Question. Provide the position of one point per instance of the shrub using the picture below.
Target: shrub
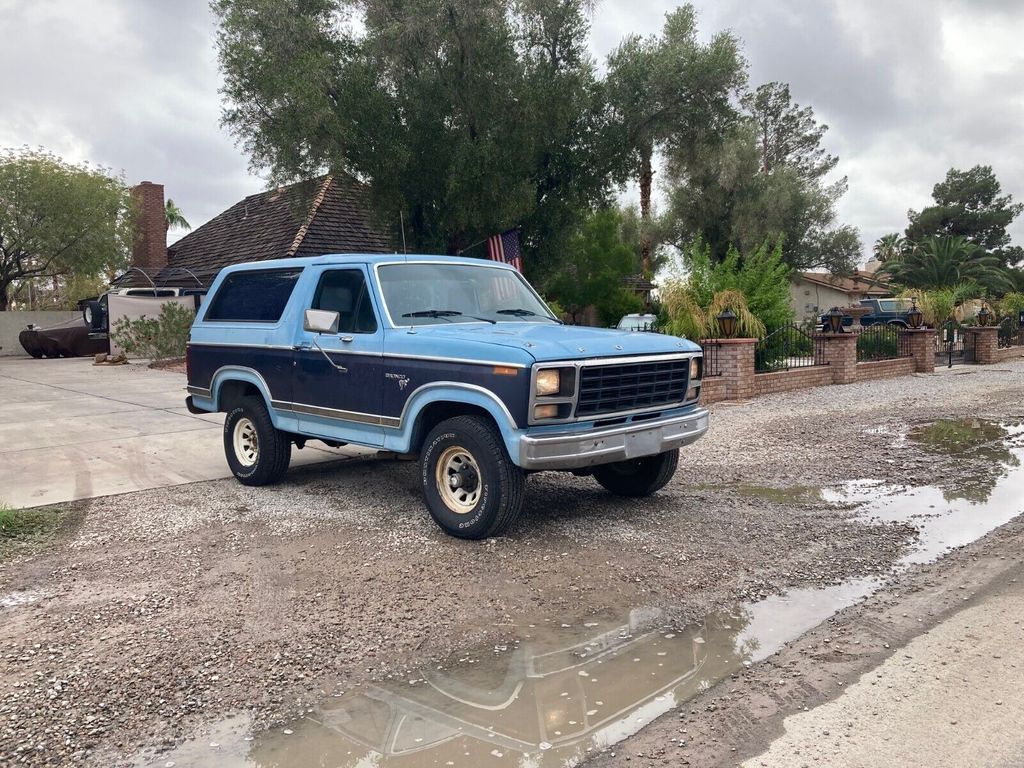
(155, 338)
(1011, 305)
(761, 277)
(684, 316)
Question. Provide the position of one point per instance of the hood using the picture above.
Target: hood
(547, 341)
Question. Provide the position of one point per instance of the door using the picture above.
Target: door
(337, 383)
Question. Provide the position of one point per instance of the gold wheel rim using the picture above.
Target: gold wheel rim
(459, 480)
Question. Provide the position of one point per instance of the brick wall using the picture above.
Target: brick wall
(986, 344)
(922, 348)
(149, 251)
(1008, 353)
(736, 362)
(713, 390)
(882, 369)
(795, 378)
(841, 356)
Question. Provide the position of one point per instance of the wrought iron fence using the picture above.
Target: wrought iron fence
(954, 344)
(788, 347)
(711, 355)
(1011, 333)
(882, 342)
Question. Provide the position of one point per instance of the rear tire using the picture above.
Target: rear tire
(638, 477)
(257, 453)
(472, 488)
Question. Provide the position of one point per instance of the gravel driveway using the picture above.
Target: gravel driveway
(160, 610)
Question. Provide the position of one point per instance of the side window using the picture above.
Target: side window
(257, 296)
(345, 291)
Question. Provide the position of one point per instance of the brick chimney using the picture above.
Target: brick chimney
(149, 251)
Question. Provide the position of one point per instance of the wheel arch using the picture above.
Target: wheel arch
(231, 384)
(431, 404)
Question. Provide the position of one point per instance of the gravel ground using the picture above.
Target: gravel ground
(162, 610)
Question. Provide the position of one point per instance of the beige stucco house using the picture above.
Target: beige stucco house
(812, 293)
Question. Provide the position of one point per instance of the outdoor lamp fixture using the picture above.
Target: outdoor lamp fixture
(727, 322)
(984, 316)
(915, 316)
(835, 320)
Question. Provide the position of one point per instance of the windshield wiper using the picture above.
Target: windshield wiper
(444, 314)
(520, 312)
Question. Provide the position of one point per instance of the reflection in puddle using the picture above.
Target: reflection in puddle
(966, 506)
(562, 693)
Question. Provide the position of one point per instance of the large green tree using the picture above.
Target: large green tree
(468, 117)
(787, 134)
(670, 91)
(763, 179)
(598, 256)
(59, 220)
(970, 204)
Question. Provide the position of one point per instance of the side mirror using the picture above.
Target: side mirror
(320, 321)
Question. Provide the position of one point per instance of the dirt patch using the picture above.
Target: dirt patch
(178, 607)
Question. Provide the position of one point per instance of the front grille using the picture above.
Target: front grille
(631, 386)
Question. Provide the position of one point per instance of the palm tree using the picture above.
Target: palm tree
(175, 218)
(945, 262)
(891, 246)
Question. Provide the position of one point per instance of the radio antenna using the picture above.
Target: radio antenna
(401, 218)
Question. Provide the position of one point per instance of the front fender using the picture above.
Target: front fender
(400, 440)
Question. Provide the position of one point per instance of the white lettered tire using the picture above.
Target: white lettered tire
(472, 488)
(257, 453)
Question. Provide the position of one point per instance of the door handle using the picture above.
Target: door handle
(347, 339)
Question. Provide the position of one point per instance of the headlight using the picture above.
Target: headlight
(696, 368)
(549, 382)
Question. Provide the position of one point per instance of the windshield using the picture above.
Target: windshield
(433, 294)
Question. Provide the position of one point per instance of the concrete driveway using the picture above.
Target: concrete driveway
(72, 430)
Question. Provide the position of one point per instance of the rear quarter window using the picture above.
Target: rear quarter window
(256, 296)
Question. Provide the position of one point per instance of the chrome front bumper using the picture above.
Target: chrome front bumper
(573, 450)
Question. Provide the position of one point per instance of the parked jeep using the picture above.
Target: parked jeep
(882, 311)
(95, 311)
(456, 361)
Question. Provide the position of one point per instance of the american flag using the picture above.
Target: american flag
(505, 248)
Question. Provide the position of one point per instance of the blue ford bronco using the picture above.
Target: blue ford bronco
(457, 361)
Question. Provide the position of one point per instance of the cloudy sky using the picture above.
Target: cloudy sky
(908, 87)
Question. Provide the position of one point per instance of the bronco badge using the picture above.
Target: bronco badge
(401, 378)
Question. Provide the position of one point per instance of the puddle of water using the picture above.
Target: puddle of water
(561, 693)
(794, 494)
(966, 507)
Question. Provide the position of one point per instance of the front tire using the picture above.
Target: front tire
(472, 488)
(638, 477)
(257, 453)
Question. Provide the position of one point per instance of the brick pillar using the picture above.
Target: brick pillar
(841, 356)
(921, 342)
(736, 362)
(986, 344)
(149, 251)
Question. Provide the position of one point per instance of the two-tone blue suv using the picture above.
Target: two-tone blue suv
(457, 361)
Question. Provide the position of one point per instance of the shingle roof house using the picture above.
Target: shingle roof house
(330, 214)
